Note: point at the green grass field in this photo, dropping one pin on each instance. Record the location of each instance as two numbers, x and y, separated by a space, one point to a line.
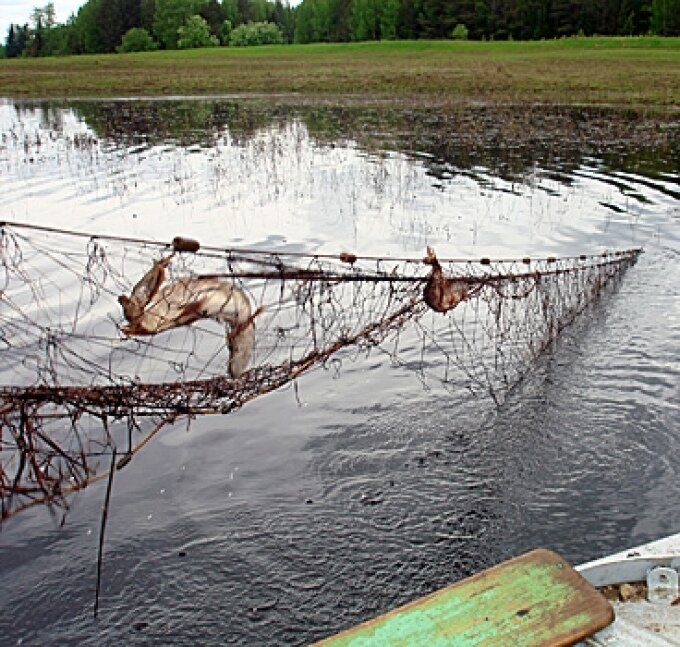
625 72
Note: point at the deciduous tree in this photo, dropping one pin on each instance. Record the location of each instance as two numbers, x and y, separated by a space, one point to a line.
195 33
170 16
137 39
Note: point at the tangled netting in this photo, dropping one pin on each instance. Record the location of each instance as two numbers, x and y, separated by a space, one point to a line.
81 392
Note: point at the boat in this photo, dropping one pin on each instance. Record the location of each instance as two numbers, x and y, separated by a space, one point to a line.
627 599
641 584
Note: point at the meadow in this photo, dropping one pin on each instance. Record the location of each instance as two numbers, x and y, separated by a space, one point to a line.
635 72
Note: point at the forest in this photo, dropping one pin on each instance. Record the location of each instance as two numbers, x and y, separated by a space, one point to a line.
106 26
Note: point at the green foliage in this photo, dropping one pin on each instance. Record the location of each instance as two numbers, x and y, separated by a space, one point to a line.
389 19
284 17
365 19
437 18
407 26
258 11
101 25
196 33
339 17
313 21
225 32
214 16
87 29
375 19
147 8
243 9
665 19
230 11
170 15
137 40
460 32
256 33
17 40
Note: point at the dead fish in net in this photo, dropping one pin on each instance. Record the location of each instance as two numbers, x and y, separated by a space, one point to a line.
190 299
442 294
145 290
240 340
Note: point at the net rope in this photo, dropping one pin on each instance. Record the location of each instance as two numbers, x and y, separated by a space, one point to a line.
78 384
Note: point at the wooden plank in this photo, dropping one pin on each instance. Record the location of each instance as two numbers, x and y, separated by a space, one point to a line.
535 600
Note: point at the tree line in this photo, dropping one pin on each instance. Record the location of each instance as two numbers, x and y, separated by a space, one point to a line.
102 26
345 20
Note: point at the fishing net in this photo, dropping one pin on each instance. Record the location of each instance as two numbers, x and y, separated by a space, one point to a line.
86 381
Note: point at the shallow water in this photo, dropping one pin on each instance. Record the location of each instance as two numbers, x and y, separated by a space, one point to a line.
314 508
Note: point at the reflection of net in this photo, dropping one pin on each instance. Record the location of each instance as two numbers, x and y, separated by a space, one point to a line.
73 388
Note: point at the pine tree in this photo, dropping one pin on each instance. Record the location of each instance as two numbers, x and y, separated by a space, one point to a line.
21 39
313 21
38 39
642 15
258 11
243 7
462 12
565 17
435 18
284 17
408 19
665 18
11 44
365 20
340 12
389 19
213 14
147 9
230 11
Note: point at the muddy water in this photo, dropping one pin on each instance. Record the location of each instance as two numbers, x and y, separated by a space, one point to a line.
314 508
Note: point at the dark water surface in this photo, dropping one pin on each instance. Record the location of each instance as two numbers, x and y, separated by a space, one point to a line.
310 510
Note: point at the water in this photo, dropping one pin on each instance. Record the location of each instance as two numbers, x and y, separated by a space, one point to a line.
314 508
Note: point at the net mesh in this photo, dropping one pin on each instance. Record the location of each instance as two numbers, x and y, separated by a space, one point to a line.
75 389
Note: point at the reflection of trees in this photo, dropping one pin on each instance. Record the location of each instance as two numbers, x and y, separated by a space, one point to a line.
50 116
653 163
510 142
185 123
507 141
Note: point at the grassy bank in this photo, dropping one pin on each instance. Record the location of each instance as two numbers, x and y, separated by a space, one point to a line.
627 72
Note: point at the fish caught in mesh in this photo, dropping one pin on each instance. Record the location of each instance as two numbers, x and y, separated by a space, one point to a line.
153 308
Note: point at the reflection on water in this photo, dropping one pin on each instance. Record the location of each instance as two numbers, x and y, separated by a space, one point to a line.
316 507
371 181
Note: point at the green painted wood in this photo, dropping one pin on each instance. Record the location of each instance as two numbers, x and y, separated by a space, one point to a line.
536 600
